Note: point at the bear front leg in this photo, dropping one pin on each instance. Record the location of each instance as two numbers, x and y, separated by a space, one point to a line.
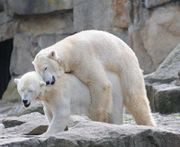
58 124
47 113
61 114
94 76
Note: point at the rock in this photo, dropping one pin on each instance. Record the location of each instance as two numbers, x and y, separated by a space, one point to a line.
21 57
107 15
32 124
1 6
25 49
17 108
154 33
90 14
155 3
11 122
89 133
31 7
162 88
163 22
7 29
164 98
1 126
46 40
168 69
4 17
56 23
121 17
11 93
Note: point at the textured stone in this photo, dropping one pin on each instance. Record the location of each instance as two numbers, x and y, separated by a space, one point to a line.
155 3
21 55
102 15
30 7
92 14
25 49
162 86
154 34
46 40
17 109
55 23
84 132
11 122
11 93
164 98
168 69
121 16
161 33
4 18
7 29
32 124
95 134
1 6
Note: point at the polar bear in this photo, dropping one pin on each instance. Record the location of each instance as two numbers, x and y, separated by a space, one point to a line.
88 55
67 96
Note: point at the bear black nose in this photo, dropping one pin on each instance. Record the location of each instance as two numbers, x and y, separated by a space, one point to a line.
25 101
53 80
47 82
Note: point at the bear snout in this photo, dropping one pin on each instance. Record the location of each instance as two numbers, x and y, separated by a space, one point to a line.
26 103
53 80
47 82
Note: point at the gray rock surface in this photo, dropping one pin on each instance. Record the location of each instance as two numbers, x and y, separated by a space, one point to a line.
108 15
33 123
11 94
155 3
163 87
30 7
168 69
88 133
151 27
154 33
17 108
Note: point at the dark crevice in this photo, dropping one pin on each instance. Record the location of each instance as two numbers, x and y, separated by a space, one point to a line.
5 56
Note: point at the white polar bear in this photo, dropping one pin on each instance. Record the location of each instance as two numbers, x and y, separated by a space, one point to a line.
88 55
67 96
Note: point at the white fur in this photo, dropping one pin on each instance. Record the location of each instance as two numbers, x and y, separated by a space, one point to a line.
88 55
67 96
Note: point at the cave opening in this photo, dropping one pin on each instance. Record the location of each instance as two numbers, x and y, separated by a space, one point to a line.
6 48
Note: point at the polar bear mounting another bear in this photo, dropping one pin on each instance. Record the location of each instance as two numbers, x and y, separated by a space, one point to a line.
67 96
88 55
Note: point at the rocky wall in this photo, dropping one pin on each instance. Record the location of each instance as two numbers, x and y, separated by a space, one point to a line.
150 27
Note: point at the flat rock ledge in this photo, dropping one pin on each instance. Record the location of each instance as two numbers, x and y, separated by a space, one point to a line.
87 133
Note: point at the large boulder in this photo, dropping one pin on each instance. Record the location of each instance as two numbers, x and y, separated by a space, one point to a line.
154 33
163 85
89 133
155 3
108 15
30 7
34 35
33 123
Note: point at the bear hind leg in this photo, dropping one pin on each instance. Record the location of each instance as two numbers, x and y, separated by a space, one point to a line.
139 108
94 76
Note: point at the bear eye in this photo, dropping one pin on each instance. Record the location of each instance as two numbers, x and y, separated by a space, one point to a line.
22 90
45 68
30 91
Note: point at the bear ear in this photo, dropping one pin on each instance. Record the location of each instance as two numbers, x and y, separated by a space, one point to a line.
42 83
52 55
33 63
16 81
